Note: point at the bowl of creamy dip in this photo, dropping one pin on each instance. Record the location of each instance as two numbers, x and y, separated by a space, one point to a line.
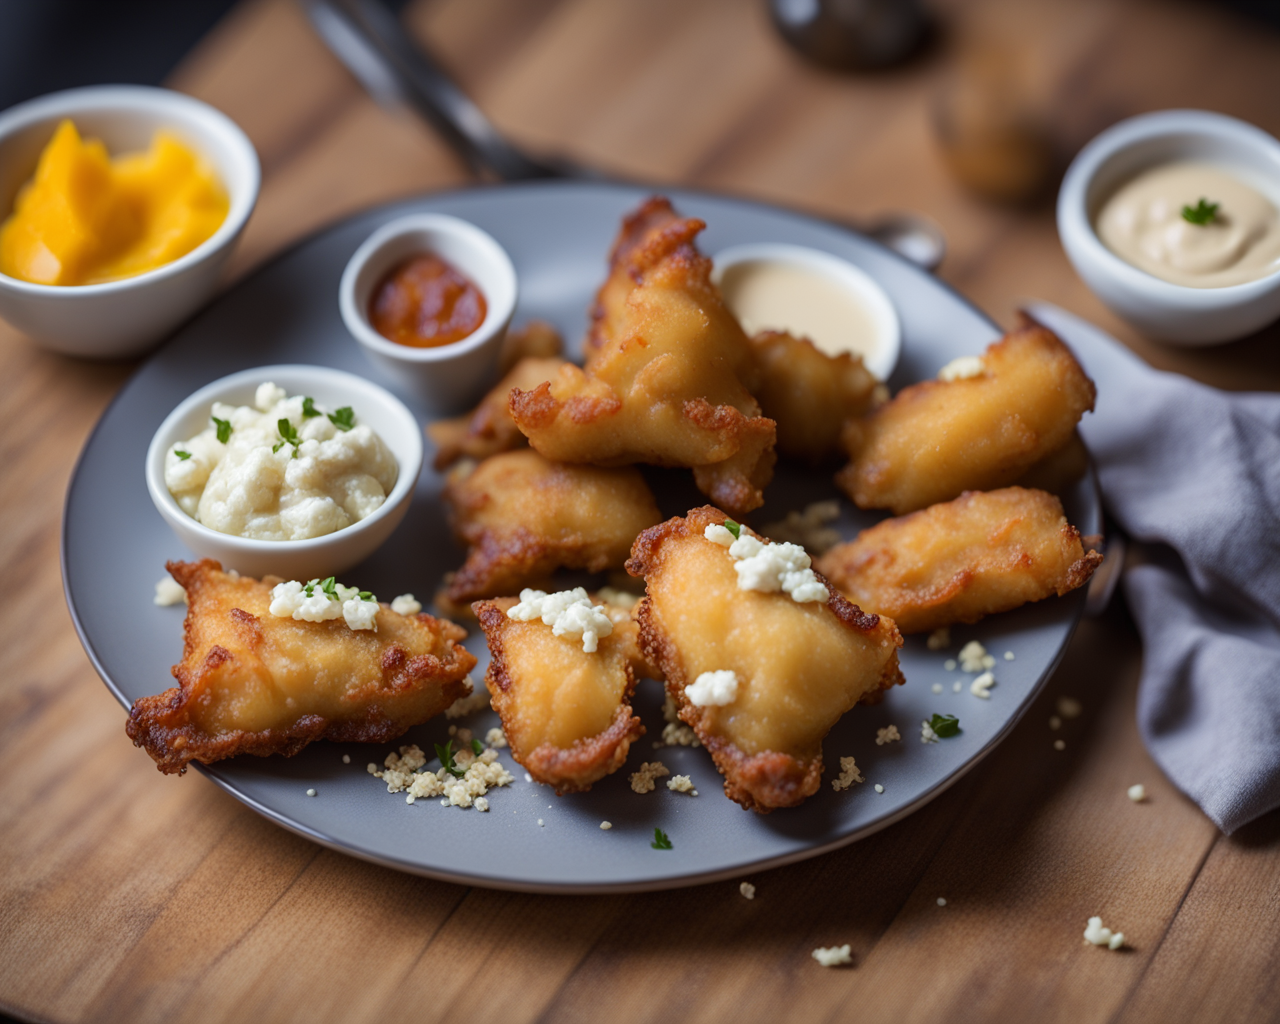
1173 220
300 471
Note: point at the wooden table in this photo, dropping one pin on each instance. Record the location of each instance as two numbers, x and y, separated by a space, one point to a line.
130 896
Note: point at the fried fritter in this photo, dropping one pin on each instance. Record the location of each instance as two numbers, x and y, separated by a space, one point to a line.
566 713
489 429
663 383
522 517
799 667
1058 470
535 340
809 394
984 552
253 683
939 438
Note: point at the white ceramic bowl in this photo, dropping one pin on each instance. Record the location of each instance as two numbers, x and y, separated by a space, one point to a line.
450 377
1169 312
125 317
296 559
886 345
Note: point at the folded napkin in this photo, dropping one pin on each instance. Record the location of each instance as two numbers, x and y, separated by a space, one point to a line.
1193 475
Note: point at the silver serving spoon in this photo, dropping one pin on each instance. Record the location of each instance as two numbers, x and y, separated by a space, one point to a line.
369 39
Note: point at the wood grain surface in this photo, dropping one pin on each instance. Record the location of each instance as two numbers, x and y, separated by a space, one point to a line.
129 896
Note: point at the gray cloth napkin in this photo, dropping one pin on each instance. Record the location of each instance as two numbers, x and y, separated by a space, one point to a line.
1193 474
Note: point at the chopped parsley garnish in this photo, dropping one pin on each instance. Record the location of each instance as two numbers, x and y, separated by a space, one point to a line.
310 588
288 435
367 595
944 725
343 419
181 454
661 841
223 427
327 585
478 747
1204 212
309 408
445 754
733 528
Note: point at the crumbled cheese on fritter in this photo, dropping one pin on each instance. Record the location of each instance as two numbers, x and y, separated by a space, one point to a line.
675 733
769 568
406 604
719 534
619 598
974 657
309 602
1137 793
889 734
713 689
480 774
809 528
169 591
643 780
927 735
748 890
495 738
833 956
567 612
849 775
963 368
1100 936
981 686
476 700
681 784
939 639
1069 707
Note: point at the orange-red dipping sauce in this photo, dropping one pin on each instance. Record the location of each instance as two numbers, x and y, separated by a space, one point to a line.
425 302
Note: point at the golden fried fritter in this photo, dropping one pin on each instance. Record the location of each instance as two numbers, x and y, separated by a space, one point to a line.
799 667
522 517
808 393
937 439
566 713
253 683
535 340
489 429
664 382
1058 470
982 553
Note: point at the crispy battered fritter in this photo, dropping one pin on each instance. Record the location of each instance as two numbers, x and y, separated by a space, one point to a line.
522 517
982 553
489 429
566 713
800 667
253 683
1058 470
535 340
664 381
937 439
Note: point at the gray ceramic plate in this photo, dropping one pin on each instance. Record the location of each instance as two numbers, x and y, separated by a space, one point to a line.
558 234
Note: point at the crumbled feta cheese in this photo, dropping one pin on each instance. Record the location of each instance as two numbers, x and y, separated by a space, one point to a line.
311 792
606 825
936 688
713 689
618 598
949 664
963 368
981 686
849 775
268 395
169 591
476 700
889 734
974 657
1059 745
481 804
942 901
939 639
1055 723
768 568
1096 934
495 738
879 788
402 772
406 604
1069 707
643 780
567 612
833 956
540 825
808 528
681 784
1008 655
748 890
719 534
309 602
927 735
1137 793
346 758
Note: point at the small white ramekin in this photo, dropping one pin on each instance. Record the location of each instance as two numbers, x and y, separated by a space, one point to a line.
294 559
449 377
123 318
1165 311
853 280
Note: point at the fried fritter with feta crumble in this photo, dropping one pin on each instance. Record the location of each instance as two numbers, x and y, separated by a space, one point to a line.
798 666
984 552
251 682
565 712
940 438
664 379
522 517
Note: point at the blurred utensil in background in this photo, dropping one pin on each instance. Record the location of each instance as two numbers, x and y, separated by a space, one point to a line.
369 39
852 35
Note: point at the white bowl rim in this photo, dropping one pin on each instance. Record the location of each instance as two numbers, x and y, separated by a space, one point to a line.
834 267
1073 214
406 478
496 314
143 98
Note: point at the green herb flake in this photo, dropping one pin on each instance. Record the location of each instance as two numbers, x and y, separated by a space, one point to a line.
478 747
309 408
944 725
343 419
1204 212
181 454
329 586
661 841
223 427
367 595
733 528
445 753
288 435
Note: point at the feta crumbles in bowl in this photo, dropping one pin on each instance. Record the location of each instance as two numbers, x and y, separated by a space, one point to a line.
299 471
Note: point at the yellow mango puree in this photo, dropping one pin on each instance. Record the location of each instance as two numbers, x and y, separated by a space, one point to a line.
86 218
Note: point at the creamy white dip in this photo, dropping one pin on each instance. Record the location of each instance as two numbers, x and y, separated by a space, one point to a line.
262 486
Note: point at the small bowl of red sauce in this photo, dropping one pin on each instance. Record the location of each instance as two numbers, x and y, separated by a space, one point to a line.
429 298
